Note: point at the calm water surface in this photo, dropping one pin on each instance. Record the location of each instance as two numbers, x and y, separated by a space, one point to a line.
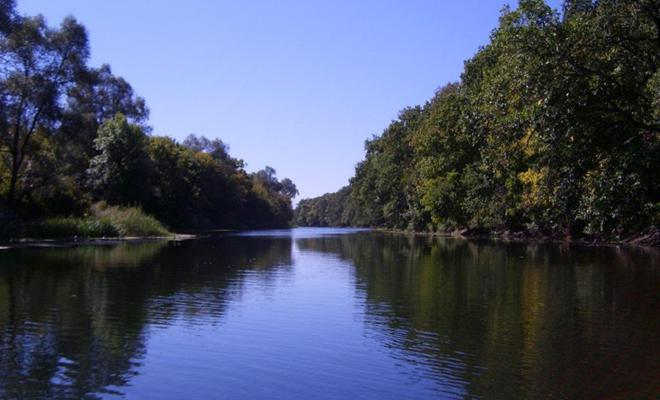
329 314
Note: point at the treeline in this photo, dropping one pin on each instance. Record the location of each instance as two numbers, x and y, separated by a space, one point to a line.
72 135
331 209
553 129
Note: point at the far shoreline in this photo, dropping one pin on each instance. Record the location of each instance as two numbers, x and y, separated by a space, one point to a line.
649 240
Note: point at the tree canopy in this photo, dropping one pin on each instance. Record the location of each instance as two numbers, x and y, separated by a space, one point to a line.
72 135
553 129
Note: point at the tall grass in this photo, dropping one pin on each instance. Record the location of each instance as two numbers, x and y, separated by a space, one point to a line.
103 221
131 221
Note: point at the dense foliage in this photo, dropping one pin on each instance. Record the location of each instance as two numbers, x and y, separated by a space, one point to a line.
103 221
331 209
72 135
553 129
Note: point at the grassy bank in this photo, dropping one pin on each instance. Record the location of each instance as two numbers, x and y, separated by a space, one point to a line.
102 221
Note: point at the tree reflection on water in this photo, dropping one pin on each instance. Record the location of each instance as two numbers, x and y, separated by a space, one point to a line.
473 318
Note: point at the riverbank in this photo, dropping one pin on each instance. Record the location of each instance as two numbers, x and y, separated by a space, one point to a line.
650 238
75 241
100 222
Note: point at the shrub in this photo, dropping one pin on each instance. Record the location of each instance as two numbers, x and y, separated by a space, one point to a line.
104 221
131 221
66 227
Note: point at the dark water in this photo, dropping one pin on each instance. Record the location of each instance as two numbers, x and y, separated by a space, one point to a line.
329 314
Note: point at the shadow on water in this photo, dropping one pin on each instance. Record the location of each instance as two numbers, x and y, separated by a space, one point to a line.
73 321
502 320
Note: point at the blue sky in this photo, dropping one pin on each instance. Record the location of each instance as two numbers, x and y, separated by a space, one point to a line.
297 85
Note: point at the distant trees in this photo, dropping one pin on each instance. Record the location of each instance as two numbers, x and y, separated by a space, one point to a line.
72 135
331 209
194 188
193 184
288 188
218 150
554 128
273 194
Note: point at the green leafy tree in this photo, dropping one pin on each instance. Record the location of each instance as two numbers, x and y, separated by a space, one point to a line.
38 63
71 135
96 96
553 129
119 173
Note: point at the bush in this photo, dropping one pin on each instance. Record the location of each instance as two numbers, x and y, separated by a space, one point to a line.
67 227
131 221
103 222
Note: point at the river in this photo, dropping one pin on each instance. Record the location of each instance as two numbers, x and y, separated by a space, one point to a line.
316 313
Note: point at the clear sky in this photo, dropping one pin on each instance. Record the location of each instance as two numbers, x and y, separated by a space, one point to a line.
297 85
